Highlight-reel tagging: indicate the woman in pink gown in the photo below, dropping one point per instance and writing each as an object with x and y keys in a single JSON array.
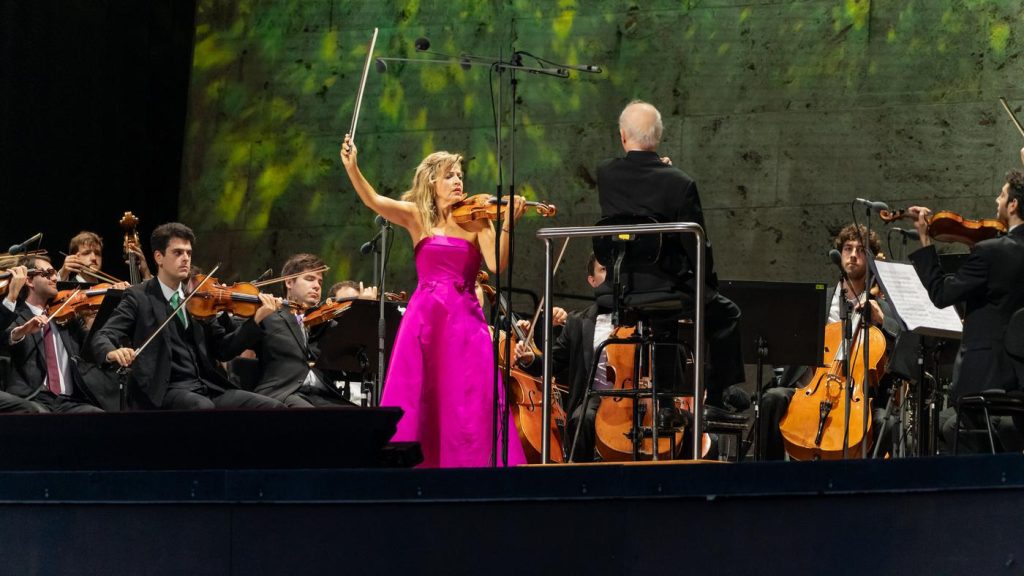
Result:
[{"x": 442, "y": 364}]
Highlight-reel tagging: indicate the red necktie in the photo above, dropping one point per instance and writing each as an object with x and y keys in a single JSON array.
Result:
[{"x": 52, "y": 371}]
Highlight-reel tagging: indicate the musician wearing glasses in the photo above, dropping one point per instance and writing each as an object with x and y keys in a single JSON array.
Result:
[
  {"x": 45, "y": 355},
  {"x": 177, "y": 369}
]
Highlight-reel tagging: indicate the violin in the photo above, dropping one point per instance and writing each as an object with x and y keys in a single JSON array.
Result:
[
  {"x": 131, "y": 239},
  {"x": 949, "y": 226},
  {"x": 69, "y": 303},
  {"x": 241, "y": 299},
  {"x": 485, "y": 207},
  {"x": 5, "y": 278},
  {"x": 332, "y": 307},
  {"x": 813, "y": 427}
]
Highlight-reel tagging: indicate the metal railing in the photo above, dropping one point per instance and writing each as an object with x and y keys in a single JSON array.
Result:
[{"x": 549, "y": 234}]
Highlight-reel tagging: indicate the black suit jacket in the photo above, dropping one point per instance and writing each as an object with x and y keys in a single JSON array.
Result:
[
  {"x": 284, "y": 356},
  {"x": 28, "y": 357},
  {"x": 6, "y": 317},
  {"x": 990, "y": 284},
  {"x": 572, "y": 354},
  {"x": 641, "y": 185},
  {"x": 141, "y": 311}
]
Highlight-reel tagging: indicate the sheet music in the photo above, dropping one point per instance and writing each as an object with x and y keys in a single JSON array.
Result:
[{"x": 910, "y": 298}]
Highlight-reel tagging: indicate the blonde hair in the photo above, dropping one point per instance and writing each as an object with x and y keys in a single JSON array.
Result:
[{"x": 422, "y": 194}]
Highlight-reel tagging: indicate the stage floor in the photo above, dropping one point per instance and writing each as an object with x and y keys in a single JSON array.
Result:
[{"x": 941, "y": 515}]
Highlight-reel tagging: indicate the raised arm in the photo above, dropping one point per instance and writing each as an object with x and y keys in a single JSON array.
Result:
[{"x": 397, "y": 211}]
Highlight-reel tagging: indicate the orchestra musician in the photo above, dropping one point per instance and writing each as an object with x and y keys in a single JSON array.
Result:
[
  {"x": 988, "y": 284},
  {"x": 442, "y": 364},
  {"x": 775, "y": 401},
  {"x": 177, "y": 370},
  {"x": 283, "y": 345},
  {"x": 85, "y": 252},
  {"x": 45, "y": 354},
  {"x": 644, "y": 184},
  {"x": 353, "y": 289}
]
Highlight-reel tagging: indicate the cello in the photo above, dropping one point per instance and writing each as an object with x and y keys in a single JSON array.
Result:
[
  {"x": 814, "y": 425},
  {"x": 613, "y": 426},
  {"x": 527, "y": 391}
]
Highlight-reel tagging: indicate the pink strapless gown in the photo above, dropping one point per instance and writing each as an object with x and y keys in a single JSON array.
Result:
[{"x": 442, "y": 363}]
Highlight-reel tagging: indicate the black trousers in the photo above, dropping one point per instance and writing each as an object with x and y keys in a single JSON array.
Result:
[
  {"x": 308, "y": 397},
  {"x": 184, "y": 399},
  {"x": 586, "y": 441},
  {"x": 11, "y": 404}
]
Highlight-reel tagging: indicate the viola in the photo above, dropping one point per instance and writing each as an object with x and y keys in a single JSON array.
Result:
[
  {"x": 814, "y": 424},
  {"x": 241, "y": 299},
  {"x": 485, "y": 207},
  {"x": 69, "y": 303},
  {"x": 946, "y": 226}
]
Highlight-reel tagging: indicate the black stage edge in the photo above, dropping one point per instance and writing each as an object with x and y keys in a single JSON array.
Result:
[
  {"x": 931, "y": 515},
  {"x": 344, "y": 437}
]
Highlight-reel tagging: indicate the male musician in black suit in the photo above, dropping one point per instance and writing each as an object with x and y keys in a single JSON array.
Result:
[
  {"x": 775, "y": 401},
  {"x": 644, "y": 184},
  {"x": 176, "y": 371},
  {"x": 284, "y": 349},
  {"x": 85, "y": 253},
  {"x": 990, "y": 284},
  {"x": 572, "y": 355},
  {"x": 45, "y": 354}
]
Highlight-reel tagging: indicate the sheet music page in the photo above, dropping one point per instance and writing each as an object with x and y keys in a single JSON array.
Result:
[{"x": 910, "y": 298}]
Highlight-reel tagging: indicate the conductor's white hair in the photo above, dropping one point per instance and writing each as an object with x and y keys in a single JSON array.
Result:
[{"x": 645, "y": 134}]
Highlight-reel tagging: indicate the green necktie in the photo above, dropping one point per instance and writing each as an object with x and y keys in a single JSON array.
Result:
[{"x": 175, "y": 300}]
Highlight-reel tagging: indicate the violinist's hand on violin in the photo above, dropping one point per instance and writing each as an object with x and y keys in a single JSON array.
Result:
[
  {"x": 367, "y": 292},
  {"x": 270, "y": 304},
  {"x": 518, "y": 207},
  {"x": 923, "y": 216},
  {"x": 121, "y": 286},
  {"x": 348, "y": 152},
  {"x": 34, "y": 324},
  {"x": 121, "y": 356},
  {"x": 19, "y": 275}
]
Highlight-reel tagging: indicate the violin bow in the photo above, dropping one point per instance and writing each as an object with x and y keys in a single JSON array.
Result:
[
  {"x": 175, "y": 311},
  {"x": 540, "y": 306},
  {"x": 362, "y": 88},
  {"x": 1013, "y": 116},
  {"x": 290, "y": 276},
  {"x": 99, "y": 273}
]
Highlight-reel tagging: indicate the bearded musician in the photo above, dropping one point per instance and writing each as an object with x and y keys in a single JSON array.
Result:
[{"x": 775, "y": 401}]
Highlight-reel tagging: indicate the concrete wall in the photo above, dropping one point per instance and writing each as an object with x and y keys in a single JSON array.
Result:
[{"x": 783, "y": 111}]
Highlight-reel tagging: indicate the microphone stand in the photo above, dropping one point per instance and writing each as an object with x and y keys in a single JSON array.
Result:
[
  {"x": 378, "y": 382},
  {"x": 869, "y": 261},
  {"x": 846, "y": 317}
]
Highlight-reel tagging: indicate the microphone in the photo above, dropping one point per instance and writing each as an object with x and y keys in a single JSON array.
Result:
[
  {"x": 422, "y": 44},
  {"x": 23, "y": 247},
  {"x": 584, "y": 68},
  {"x": 911, "y": 234},
  {"x": 368, "y": 247},
  {"x": 380, "y": 221},
  {"x": 872, "y": 205},
  {"x": 382, "y": 66},
  {"x": 837, "y": 259}
]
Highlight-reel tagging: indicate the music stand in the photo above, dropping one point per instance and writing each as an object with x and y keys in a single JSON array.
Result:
[
  {"x": 349, "y": 340},
  {"x": 783, "y": 324},
  {"x": 110, "y": 301}
]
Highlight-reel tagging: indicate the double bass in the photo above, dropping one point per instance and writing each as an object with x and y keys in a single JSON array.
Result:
[{"x": 814, "y": 425}]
